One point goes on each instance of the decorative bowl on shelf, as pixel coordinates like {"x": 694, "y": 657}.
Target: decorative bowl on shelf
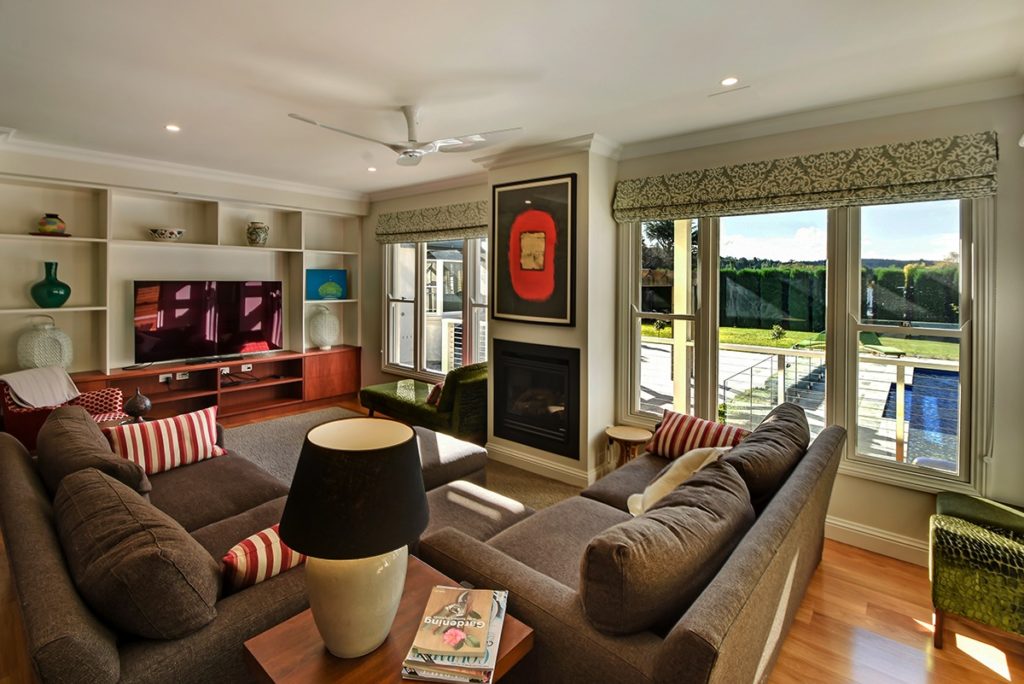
{"x": 166, "y": 234}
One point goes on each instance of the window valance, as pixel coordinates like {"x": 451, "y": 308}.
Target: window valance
{"x": 448, "y": 222}
{"x": 958, "y": 166}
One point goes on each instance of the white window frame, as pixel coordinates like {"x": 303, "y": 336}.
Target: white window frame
{"x": 472, "y": 299}
{"x": 977, "y": 342}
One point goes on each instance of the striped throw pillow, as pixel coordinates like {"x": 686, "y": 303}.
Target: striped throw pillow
{"x": 258, "y": 558}
{"x": 680, "y": 433}
{"x": 159, "y": 445}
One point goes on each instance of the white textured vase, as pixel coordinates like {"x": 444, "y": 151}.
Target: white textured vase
{"x": 354, "y": 602}
{"x": 44, "y": 345}
{"x": 324, "y": 328}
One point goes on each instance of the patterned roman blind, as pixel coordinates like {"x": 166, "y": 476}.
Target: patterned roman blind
{"x": 958, "y": 166}
{"x": 451, "y": 221}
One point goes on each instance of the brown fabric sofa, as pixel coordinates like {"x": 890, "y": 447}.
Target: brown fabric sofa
{"x": 219, "y": 502}
{"x": 715, "y": 601}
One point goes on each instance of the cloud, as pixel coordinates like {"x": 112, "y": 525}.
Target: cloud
{"x": 805, "y": 244}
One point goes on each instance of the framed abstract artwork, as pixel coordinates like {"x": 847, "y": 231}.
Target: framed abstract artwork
{"x": 534, "y": 248}
{"x": 326, "y": 283}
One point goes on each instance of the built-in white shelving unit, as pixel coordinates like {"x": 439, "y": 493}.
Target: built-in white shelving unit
{"x": 109, "y": 247}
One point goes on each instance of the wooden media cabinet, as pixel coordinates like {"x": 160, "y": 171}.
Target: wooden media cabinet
{"x": 276, "y": 381}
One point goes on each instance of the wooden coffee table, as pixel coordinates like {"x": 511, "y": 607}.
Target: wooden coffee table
{"x": 294, "y": 652}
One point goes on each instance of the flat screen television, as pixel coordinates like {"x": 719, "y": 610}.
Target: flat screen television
{"x": 199, "y": 319}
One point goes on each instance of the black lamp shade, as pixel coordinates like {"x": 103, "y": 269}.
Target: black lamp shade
{"x": 357, "y": 492}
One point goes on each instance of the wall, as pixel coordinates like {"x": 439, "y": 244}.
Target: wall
{"x": 891, "y": 519}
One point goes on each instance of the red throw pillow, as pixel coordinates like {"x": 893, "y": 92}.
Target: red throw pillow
{"x": 679, "y": 433}
{"x": 159, "y": 445}
{"x": 257, "y": 558}
{"x": 435, "y": 393}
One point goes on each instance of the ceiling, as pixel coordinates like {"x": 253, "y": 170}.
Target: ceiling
{"x": 109, "y": 75}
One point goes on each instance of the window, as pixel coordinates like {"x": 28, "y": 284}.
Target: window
{"x": 913, "y": 308}
{"x": 771, "y": 316}
{"x": 436, "y": 315}
{"x": 728, "y": 317}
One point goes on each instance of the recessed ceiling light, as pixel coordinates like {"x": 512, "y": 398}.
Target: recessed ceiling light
{"x": 173, "y": 128}
{"x": 730, "y": 81}
{"x": 528, "y": 201}
{"x": 371, "y": 169}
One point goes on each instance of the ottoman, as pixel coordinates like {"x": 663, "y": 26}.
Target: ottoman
{"x": 445, "y": 458}
{"x": 471, "y": 509}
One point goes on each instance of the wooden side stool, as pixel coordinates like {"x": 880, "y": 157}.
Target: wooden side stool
{"x": 630, "y": 440}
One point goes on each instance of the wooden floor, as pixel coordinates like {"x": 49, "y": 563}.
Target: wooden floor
{"x": 867, "y": 618}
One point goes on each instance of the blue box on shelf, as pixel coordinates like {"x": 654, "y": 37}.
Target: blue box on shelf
{"x": 326, "y": 283}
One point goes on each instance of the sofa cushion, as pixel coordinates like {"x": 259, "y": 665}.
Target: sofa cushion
{"x": 135, "y": 567}
{"x": 435, "y": 393}
{"x": 257, "y": 558}
{"x": 552, "y": 540}
{"x": 168, "y": 443}
{"x": 615, "y": 488}
{"x": 202, "y": 493}
{"x": 646, "y": 572}
{"x": 445, "y": 458}
{"x": 766, "y": 457}
{"x": 675, "y": 473}
{"x": 679, "y": 433}
{"x": 471, "y": 509}
{"x": 218, "y": 537}
{"x": 70, "y": 440}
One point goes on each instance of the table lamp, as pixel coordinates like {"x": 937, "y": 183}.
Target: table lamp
{"x": 355, "y": 504}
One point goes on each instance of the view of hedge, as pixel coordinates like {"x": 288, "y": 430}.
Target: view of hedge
{"x": 795, "y": 297}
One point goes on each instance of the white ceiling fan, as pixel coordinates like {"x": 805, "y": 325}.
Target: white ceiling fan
{"x": 412, "y": 150}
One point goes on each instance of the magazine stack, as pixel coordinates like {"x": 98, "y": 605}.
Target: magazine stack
{"x": 457, "y": 640}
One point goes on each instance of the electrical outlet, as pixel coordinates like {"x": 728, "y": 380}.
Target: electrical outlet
{"x": 246, "y": 367}
{"x": 183, "y": 375}
{"x": 225, "y": 370}
{"x": 164, "y": 377}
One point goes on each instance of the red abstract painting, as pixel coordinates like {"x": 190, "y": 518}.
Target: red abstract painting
{"x": 531, "y": 255}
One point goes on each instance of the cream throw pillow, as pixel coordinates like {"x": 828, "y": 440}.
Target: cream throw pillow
{"x": 678, "y": 472}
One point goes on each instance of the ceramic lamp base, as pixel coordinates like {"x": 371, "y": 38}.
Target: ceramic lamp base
{"x": 354, "y": 602}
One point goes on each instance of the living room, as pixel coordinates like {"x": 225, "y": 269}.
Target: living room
{"x": 716, "y": 161}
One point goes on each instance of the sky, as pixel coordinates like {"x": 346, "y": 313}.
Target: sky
{"x": 922, "y": 230}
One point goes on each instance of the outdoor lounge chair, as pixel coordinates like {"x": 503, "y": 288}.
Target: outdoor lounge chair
{"x": 869, "y": 341}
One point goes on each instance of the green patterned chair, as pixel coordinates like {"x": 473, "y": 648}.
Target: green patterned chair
{"x": 977, "y": 562}
{"x": 461, "y": 410}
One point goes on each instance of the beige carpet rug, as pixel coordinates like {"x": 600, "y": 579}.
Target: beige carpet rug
{"x": 274, "y": 445}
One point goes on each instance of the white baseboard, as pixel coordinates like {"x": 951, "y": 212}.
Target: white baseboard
{"x": 881, "y": 541}
{"x": 538, "y": 465}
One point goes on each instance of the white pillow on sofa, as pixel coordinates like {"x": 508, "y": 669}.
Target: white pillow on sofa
{"x": 677, "y": 472}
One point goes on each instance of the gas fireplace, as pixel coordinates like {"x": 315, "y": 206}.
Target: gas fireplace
{"x": 537, "y": 396}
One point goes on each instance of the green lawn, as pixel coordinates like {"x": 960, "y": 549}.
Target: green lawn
{"x": 928, "y": 349}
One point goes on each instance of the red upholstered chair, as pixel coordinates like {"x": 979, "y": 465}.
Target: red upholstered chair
{"x": 24, "y": 423}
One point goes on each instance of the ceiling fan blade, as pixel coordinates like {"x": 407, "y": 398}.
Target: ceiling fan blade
{"x": 476, "y": 141}
{"x": 299, "y": 117}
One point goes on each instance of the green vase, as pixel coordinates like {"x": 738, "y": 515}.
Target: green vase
{"x": 49, "y": 292}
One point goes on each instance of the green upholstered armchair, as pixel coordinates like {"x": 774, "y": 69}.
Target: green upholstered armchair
{"x": 977, "y": 562}
{"x": 461, "y": 410}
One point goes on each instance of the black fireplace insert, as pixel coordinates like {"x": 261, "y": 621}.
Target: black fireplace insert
{"x": 537, "y": 396}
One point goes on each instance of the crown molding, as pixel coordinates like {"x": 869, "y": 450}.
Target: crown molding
{"x": 964, "y": 93}
{"x": 441, "y": 185}
{"x": 78, "y": 154}
{"x": 591, "y": 142}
